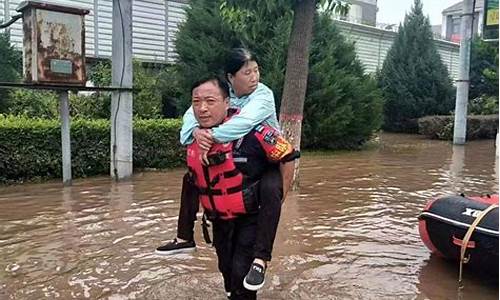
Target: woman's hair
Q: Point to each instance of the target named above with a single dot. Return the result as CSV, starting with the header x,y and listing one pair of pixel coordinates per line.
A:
x,y
236,59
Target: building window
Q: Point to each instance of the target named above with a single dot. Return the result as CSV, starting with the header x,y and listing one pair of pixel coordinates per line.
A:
x,y
455,26
355,13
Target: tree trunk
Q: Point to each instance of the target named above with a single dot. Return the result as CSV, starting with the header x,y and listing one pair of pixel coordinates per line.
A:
x,y
297,70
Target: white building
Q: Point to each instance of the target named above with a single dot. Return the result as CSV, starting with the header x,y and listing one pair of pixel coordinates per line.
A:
x,y
450,29
155,24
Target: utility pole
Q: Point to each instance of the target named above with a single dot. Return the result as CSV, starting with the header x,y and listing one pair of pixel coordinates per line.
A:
x,y
460,128
121,101
65,137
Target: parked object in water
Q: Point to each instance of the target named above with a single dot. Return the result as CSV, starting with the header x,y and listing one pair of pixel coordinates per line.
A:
x,y
444,222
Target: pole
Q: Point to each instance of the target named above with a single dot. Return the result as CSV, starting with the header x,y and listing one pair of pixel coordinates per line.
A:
x,y
460,128
121,102
65,137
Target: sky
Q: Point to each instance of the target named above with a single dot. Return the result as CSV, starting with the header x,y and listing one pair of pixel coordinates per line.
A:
x,y
393,11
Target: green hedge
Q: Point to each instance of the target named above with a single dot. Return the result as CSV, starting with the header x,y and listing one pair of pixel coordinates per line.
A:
x,y
441,127
30,149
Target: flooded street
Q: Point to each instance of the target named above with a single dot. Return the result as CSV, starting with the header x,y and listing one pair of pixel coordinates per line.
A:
x,y
351,232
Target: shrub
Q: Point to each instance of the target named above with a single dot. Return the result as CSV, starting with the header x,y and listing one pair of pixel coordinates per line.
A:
x,y
441,127
147,100
100,73
483,92
90,105
170,91
413,79
33,103
31,148
483,105
10,66
483,69
156,144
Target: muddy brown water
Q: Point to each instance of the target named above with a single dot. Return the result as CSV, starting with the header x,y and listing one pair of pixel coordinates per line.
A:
x,y
349,233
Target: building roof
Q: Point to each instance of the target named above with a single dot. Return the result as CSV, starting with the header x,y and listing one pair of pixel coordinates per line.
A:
x,y
457,8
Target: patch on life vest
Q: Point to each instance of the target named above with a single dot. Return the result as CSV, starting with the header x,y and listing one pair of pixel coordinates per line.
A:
x,y
280,149
238,144
259,128
270,137
274,145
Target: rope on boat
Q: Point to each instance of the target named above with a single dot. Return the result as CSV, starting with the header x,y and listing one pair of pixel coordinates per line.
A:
x,y
468,234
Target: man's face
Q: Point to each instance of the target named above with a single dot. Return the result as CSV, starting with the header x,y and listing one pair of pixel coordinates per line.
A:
x,y
209,105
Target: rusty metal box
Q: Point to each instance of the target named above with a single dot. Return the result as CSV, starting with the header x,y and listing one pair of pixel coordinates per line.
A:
x,y
54,43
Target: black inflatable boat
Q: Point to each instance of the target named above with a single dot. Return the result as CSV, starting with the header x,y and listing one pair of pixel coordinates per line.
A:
x,y
445,221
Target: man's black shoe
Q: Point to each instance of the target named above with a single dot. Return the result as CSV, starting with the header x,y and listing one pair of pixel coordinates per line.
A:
x,y
175,247
255,277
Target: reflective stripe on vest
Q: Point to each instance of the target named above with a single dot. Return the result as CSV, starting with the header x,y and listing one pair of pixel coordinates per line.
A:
x,y
220,185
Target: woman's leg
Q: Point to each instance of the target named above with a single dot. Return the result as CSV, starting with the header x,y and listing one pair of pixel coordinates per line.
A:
x,y
270,195
188,208
185,224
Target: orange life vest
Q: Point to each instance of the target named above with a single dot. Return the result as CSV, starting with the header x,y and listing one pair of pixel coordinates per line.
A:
x,y
220,183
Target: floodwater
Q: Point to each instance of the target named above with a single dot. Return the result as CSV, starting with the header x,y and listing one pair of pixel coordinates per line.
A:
x,y
349,233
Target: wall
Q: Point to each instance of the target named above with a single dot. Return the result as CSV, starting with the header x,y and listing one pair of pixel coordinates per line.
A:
x,y
372,45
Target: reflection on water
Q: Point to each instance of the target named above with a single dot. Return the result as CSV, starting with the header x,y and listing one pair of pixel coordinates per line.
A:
x,y
438,280
350,233
457,166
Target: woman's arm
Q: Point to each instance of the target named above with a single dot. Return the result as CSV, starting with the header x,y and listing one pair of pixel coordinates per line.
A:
x,y
189,123
278,150
260,106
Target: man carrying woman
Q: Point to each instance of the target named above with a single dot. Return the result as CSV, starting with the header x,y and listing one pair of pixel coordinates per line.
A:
x,y
256,104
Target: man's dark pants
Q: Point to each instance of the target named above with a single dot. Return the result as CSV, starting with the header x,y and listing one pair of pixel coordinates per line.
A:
x,y
233,241
270,195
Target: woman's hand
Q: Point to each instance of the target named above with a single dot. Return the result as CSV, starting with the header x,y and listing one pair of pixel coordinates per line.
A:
x,y
205,141
204,138
204,158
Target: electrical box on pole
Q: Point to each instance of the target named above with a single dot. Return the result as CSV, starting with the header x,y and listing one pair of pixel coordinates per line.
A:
x,y
54,43
490,22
